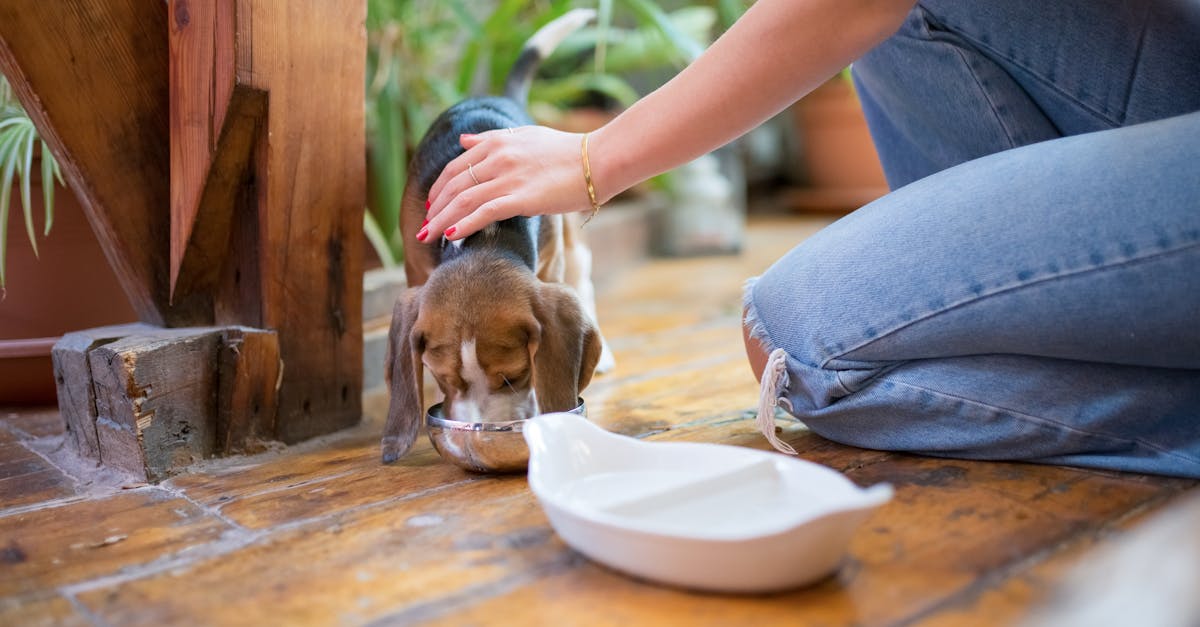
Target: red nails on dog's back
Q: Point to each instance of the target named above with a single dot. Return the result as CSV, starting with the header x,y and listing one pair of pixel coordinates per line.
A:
x,y
422,234
450,231
427,205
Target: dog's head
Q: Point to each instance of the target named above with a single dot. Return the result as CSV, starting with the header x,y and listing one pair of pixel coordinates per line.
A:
x,y
501,345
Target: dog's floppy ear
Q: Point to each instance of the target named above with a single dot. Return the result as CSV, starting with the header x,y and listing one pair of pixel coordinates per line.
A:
x,y
566,349
404,376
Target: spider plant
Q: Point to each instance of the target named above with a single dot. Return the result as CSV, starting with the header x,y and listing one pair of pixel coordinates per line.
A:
x,y
423,56
19,142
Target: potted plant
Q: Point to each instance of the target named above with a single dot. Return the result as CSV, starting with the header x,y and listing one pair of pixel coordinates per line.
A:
x,y
836,165
48,285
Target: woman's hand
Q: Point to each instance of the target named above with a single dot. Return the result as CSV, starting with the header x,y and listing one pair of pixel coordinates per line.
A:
x,y
531,170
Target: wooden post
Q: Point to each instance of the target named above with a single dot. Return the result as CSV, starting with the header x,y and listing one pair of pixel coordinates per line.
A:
x,y
73,375
276,200
218,149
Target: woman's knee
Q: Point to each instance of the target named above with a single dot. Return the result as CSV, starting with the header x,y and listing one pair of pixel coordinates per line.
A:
x,y
755,353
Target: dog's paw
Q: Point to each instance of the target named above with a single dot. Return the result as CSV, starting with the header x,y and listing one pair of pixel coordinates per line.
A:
x,y
393,448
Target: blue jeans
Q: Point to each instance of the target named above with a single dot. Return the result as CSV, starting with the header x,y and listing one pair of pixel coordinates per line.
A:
x,y
1031,291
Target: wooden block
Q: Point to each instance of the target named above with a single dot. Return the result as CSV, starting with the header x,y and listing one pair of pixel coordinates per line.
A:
x,y
156,400
248,381
168,398
72,373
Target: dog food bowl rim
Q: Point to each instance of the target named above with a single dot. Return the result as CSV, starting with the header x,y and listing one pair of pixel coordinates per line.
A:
x,y
501,426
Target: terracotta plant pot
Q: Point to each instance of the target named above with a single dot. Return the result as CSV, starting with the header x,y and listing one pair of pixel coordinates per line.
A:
x,y
70,287
838,166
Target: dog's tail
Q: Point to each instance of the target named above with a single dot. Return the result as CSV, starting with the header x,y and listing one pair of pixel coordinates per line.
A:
x,y
543,42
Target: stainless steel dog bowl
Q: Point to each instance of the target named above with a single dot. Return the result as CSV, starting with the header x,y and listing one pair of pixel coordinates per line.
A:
x,y
482,446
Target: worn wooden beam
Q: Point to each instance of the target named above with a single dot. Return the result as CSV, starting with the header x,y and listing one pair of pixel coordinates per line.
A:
x,y
201,42
216,120
197,263
151,401
93,76
155,400
267,213
73,375
310,56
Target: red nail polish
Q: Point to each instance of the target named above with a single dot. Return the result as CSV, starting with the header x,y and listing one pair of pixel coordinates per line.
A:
x,y
422,234
450,231
425,222
427,205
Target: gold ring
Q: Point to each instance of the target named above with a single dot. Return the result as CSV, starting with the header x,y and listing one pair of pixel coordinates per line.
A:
x,y
471,171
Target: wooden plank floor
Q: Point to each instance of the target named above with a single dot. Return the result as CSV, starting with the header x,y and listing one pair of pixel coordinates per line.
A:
x,y
322,534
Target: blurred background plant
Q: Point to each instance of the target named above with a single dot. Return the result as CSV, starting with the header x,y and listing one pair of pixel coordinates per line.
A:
x,y
424,55
19,144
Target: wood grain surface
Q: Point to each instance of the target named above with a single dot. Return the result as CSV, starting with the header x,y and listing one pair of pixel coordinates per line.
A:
x,y
322,534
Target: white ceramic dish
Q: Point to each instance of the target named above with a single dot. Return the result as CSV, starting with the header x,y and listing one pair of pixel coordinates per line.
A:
x,y
702,516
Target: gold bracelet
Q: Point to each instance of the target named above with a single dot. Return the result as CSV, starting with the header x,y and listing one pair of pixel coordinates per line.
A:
x,y
587,178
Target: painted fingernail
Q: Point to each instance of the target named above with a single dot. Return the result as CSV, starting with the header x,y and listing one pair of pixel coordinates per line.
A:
x,y
450,231
425,222
427,205
422,234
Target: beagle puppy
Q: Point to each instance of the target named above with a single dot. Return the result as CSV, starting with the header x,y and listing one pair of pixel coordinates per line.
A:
x,y
503,319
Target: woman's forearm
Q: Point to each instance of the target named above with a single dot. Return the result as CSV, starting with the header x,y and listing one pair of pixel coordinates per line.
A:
x,y
777,52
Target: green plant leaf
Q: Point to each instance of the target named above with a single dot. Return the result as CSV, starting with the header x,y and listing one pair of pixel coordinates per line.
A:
x,y
648,12
644,48
499,24
604,9
465,18
25,169
378,240
387,165
8,162
574,88
730,11
18,140
49,173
